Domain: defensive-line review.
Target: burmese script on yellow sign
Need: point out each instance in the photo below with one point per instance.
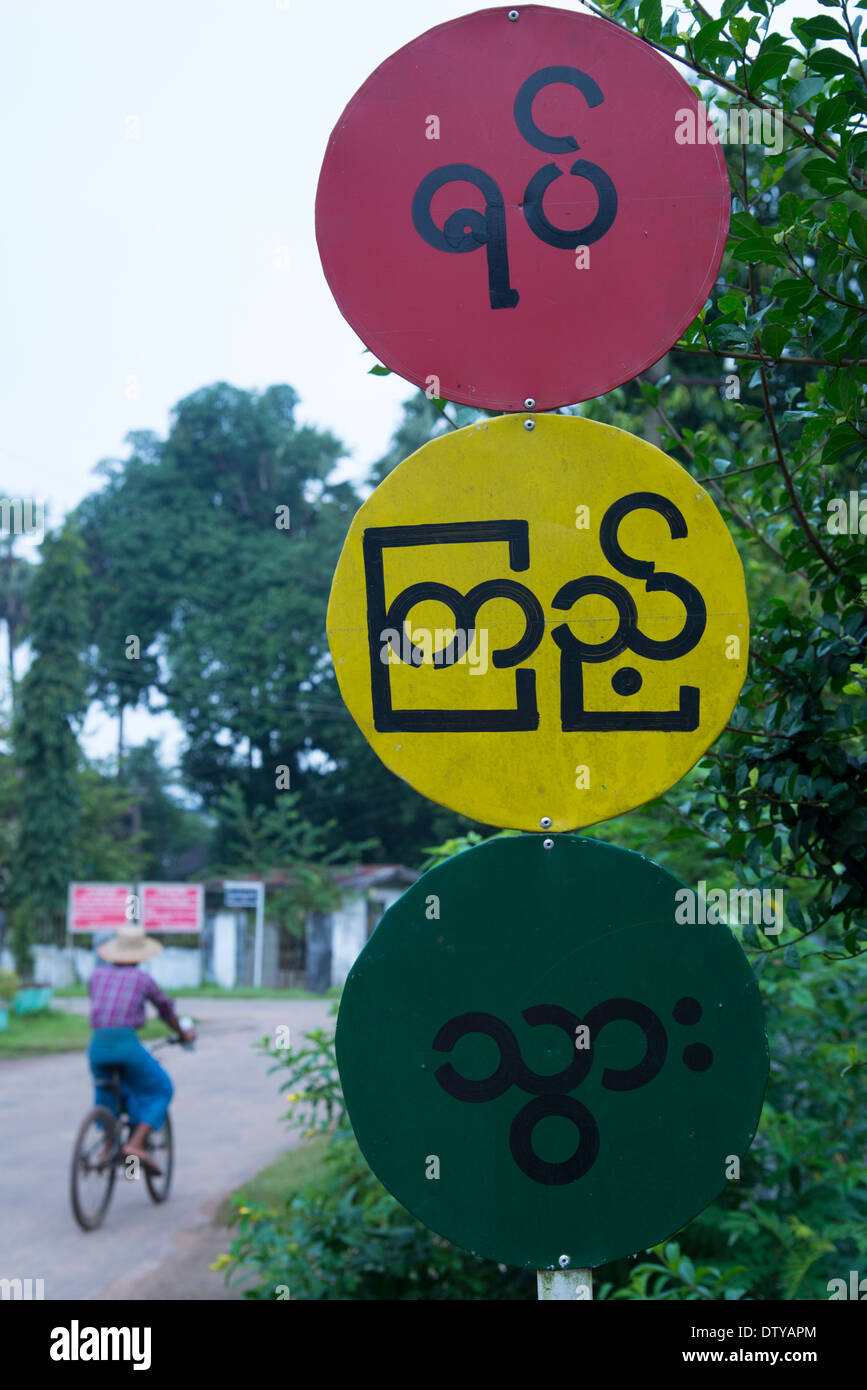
(539, 628)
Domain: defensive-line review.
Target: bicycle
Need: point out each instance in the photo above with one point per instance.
(98, 1150)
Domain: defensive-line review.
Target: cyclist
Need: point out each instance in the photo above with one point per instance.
(118, 991)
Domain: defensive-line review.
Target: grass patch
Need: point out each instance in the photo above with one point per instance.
(277, 1184)
(51, 1030)
(216, 992)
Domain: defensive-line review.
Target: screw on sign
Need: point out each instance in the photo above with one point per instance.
(584, 1068)
(539, 630)
(510, 277)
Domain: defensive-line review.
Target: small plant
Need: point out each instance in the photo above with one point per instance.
(671, 1275)
(313, 1079)
(9, 985)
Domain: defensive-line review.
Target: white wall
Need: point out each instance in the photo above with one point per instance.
(55, 965)
(177, 967)
(387, 896)
(348, 935)
(224, 949)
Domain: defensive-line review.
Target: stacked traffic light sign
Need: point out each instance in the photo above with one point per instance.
(540, 622)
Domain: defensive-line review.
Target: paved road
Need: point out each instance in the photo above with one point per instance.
(226, 1116)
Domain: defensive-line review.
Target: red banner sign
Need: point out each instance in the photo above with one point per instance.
(171, 907)
(100, 907)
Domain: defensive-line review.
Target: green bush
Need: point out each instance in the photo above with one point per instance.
(797, 1216)
(794, 1219)
(9, 983)
(347, 1237)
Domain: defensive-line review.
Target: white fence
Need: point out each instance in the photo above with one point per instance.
(177, 967)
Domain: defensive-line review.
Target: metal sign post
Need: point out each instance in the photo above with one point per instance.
(250, 893)
(564, 1285)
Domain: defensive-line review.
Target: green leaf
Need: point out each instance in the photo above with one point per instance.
(805, 90)
(706, 36)
(757, 251)
(379, 371)
(830, 113)
(841, 440)
(650, 18)
(775, 338)
(837, 218)
(840, 893)
(824, 175)
(822, 27)
(795, 915)
(769, 65)
(858, 227)
(795, 291)
(731, 304)
(829, 61)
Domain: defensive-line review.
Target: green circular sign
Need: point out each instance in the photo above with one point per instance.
(539, 1060)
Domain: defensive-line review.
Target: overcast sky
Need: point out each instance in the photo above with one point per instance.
(160, 161)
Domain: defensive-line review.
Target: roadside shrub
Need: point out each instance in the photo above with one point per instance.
(347, 1237)
(9, 983)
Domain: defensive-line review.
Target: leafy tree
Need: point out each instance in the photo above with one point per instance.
(104, 847)
(15, 576)
(52, 700)
(8, 827)
(261, 840)
(167, 828)
(214, 550)
(782, 793)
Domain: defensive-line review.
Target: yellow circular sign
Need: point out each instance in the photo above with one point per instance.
(539, 622)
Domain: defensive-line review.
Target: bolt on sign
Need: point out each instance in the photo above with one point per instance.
(579, 1075)
(505, 214)
(539, 627)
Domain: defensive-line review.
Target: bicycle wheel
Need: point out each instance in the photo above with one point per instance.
(161, 1149)
(92, 1174)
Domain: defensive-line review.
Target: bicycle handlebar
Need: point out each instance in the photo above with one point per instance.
(173, 1042)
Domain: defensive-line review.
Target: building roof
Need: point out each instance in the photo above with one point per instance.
(357, 877)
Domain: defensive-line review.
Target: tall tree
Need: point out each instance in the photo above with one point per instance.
(52, 699)
(211, 555)
(169, 829)
(14, 583)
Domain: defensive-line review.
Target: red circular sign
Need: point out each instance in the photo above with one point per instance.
(513, 208)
